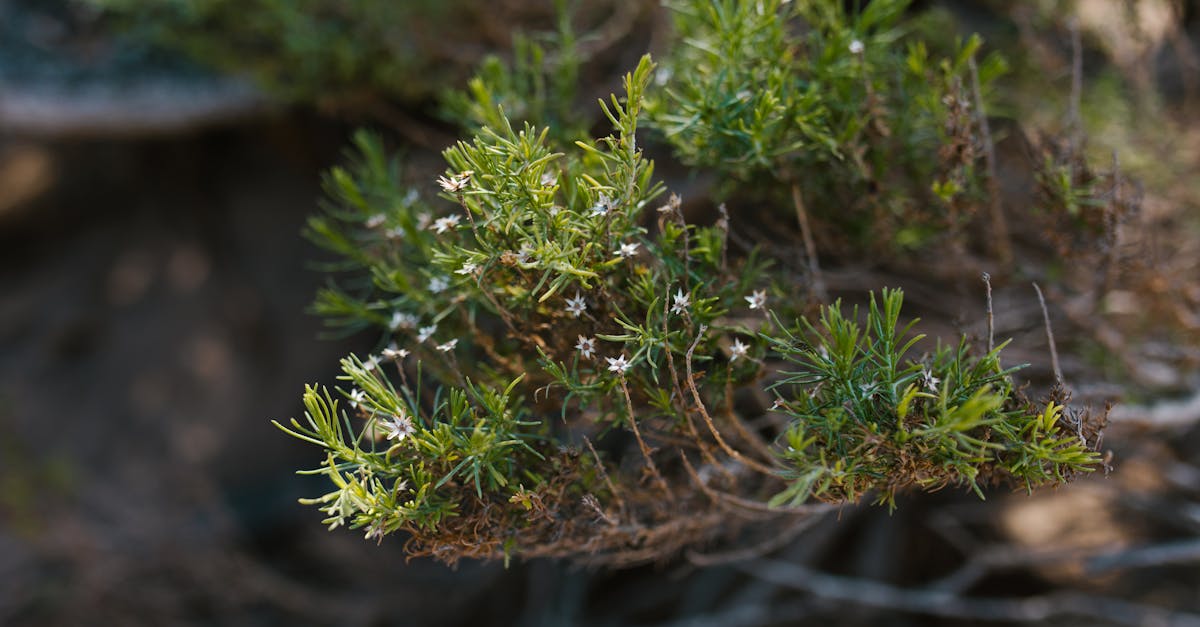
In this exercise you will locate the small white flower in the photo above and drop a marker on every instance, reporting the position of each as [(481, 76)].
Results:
[(410, 196), (576, 306), (424, 333), (441, 225), (398, 428), (438, 284), (681, 302), (424, 220), (856, 47), (757, 300), (626, 250), (586, 347), (617, 365), (603, 204), (737, 350), (371, 363), (448, 346), (402, 320), (357, 397), (394, 233), (375, 221), (467, 268), (393, 352), (555, 210), (455, 183), (549, 179), (523, 255), (931, 381), (375, 532), (778, 405)]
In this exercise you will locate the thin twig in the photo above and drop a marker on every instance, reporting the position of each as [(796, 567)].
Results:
[(770, 545), (810, 248), (1058, 375), (1000, 238), (691, 381), (604, 475), (703, 446), (991, 320), (1073, 121), (750, 505), (1114, 227), (646, 452)]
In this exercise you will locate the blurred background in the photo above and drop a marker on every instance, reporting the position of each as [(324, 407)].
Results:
[(158, 161)]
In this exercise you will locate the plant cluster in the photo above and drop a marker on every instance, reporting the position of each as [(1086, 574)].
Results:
[(879, 138), (572, 367)]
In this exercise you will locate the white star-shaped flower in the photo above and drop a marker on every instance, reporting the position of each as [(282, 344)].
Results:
[(424, 333), (394, 233), (618, 364), (402, 320), (375, 221), (371, 363), (467, 268), (455, 183), (856, 47), (398, 428), (576, 306), (626, 250), (586, 347), (549, 179), (357, 397), (441, 225), (393, 352), (603, 204), (757, 300), (424, 220), (931, 382), (448, 346), (438, 284), (680, 302), (737, 350)]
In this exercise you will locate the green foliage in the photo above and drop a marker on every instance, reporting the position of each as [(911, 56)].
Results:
[(571, 368), (876, 131), (867, 419)]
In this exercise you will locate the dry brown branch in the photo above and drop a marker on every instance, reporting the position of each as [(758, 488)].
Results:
[(691, 381), (928, 602), (1163, 415), (646, 452), (810, 247), (991, 318), (749, 505), (1074, 123), (1002, 246), (1179, 552), (1058, 375), (607, 480), (767, 546)]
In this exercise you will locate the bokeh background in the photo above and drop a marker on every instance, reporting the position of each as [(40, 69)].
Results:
[(154, 287)]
